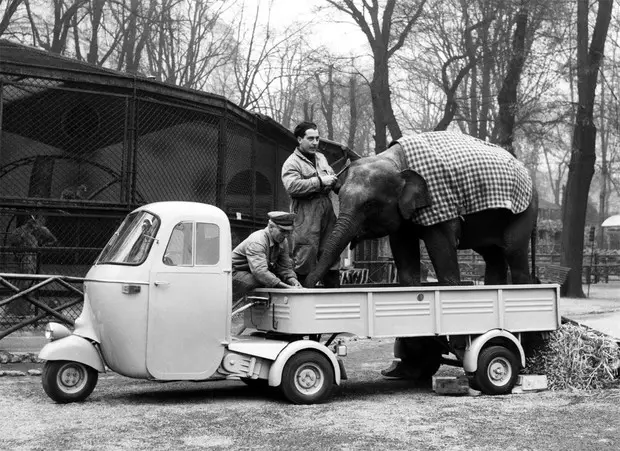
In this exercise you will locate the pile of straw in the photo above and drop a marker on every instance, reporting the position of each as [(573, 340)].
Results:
[(576, 357)]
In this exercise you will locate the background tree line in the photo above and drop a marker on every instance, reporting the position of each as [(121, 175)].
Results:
[(538, 77)]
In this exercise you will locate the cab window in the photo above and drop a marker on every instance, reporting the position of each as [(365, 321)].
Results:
[(207, 244), (180, 246), (132, 242)]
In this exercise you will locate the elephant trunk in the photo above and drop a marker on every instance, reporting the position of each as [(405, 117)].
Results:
[(346, 228)]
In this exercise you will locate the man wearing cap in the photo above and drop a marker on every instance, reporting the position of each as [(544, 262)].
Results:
[(263, 259), (308, 179)]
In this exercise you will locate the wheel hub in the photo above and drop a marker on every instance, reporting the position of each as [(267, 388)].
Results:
[(499, 371), (71, 377), (308, 378)]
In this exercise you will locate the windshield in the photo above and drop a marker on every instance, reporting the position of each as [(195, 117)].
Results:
[(131, 243)]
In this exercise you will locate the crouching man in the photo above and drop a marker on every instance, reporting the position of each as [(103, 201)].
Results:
[(263, 259)]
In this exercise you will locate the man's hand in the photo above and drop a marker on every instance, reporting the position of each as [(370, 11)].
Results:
[(328, 180), (294, 283), (290, 283)]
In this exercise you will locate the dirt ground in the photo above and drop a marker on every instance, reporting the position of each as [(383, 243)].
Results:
[(367, 413)]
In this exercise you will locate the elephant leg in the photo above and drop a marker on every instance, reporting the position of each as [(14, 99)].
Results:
[(496, 266), (405, 246), (519, 266), (441, 242), (331, 279)]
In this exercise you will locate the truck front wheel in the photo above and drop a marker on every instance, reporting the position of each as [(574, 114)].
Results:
[(498, 369), (307, 378), (65, 381)]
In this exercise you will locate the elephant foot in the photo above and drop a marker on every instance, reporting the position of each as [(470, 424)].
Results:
[(332, 279), (400, 370)]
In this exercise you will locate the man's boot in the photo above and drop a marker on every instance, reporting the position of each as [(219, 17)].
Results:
[(332, 279), (400, 370)]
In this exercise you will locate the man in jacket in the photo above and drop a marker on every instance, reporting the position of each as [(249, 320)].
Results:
[(263, 259), (308, 179)]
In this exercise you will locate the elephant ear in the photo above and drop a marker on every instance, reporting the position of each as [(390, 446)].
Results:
[(414, 194)]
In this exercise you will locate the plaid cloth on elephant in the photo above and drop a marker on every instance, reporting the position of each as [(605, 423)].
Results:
[(465, 175)]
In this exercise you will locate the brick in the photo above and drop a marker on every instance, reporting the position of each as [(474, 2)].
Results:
[(12, 373), (531, 382)]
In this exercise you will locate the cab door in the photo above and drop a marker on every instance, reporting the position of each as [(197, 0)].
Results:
[(188, 312)]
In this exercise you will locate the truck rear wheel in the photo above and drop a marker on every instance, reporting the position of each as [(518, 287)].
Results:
[(307, 378), (498, 369), (65, 381)]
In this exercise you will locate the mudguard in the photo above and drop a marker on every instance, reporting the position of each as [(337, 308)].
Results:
[(275, 371), (75, 349), (470, 359)]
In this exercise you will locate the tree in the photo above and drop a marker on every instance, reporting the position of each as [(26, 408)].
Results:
[(53, 36), (507, 97), (254, 66), (583, 147), (386, 34), (284, 94), (464, 58), (327, 93), (10, 8), (189, 43)]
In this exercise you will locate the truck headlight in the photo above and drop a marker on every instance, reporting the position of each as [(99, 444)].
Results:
[(56, 331), (341, 350)]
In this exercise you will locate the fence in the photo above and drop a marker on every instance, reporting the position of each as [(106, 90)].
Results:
[(29, 301), (81, 146), (74, 161), (374, 257)]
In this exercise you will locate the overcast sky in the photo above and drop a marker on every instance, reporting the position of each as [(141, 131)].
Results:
[(330, 27)]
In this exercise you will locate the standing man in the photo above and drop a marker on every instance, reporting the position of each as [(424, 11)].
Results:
[(263, 259), (308, 179)]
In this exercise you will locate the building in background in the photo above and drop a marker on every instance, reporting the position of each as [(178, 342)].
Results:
[(80, 146)]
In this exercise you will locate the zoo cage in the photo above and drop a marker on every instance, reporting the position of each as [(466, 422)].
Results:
[(81, 146)]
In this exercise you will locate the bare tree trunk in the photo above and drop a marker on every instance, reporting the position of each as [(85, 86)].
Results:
[(63, 22), (378, 86), (352, 112), (9, 11), (507, 97), (308, 111), (602, 207), (384, 39), (584, 143), (130, 38), (95, 22), (485, 92), (327, 99)]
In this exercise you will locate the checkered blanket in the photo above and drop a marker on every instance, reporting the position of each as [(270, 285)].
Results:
[(465, 175)]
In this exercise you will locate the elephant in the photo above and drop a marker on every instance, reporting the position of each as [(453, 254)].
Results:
[(451, 191), (448, 189)]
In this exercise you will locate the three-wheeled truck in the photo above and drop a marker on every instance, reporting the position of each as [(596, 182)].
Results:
[(157, 305)]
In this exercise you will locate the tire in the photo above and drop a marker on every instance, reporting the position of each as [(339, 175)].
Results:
[(307, 378), (498, 369), (65, 381), (471, 377)]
